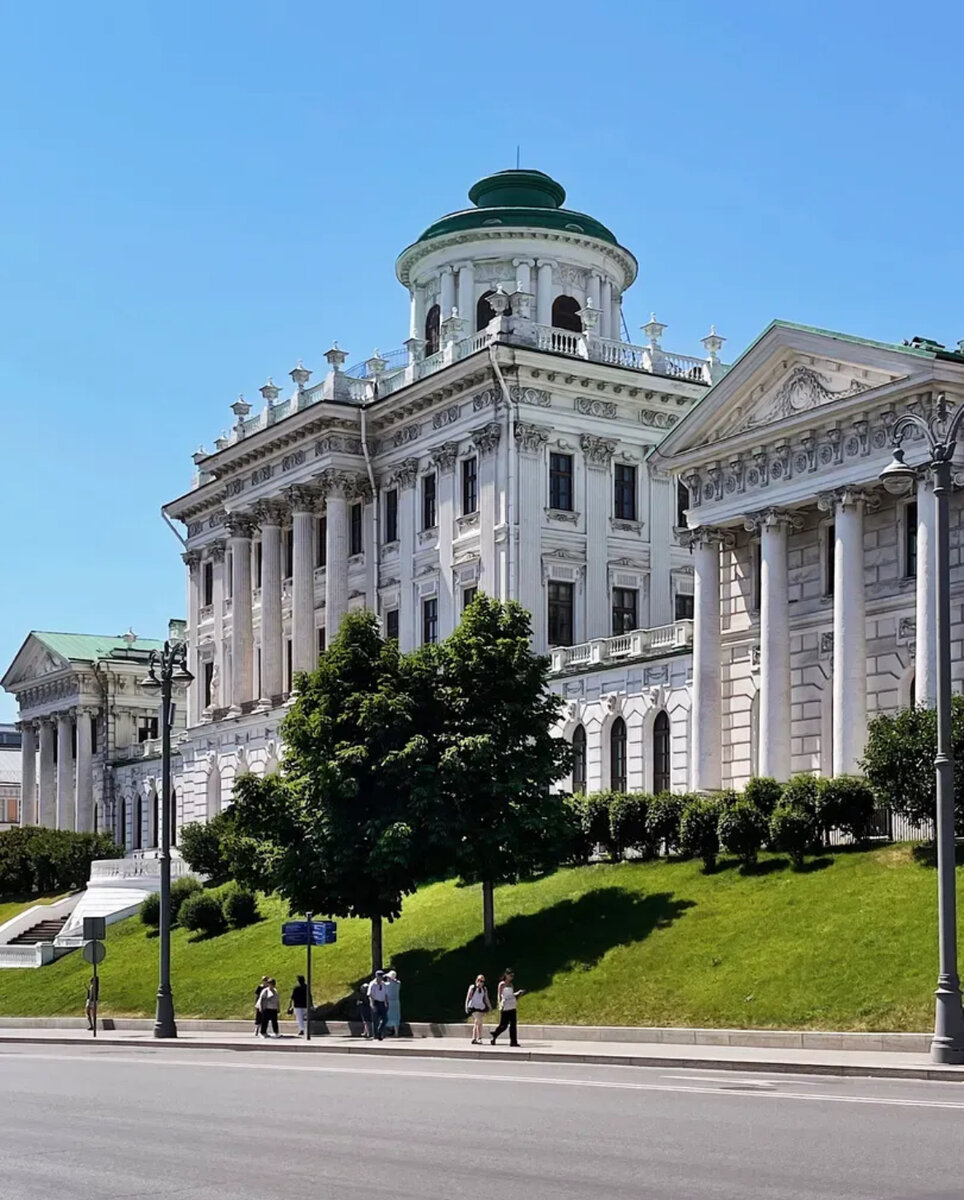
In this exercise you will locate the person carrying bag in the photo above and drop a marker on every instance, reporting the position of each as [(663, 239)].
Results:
[(476, 1006)]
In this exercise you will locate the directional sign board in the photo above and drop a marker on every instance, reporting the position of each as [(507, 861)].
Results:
[(304, 933), (95, 929), (94, 952)]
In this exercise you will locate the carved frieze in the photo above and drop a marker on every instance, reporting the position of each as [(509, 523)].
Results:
[(530, 395), (405, 435), (447, 416), (658, 420), (590, 407)]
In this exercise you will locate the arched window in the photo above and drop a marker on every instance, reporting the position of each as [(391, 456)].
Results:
[(565, 314), (137, 831), (213, 793), (617, 755), (579, 760), (433, 323), (484, 312), (661, 780)]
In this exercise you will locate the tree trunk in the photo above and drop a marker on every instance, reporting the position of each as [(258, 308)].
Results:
[(488, 912), (376, 944)]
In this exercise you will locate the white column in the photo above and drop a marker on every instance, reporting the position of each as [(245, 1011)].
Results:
[(531, 441), (523, 272), (270, 515), (598, 453), (66, 802), (447, 302), (706, 768), (218, 682), (606, 311), (28, 773), (486, 443), (405, 479), (774, 760), (595, 287), (466, 300), (925, 664), (85, 771), (662, 517), (849, 633), (240, 529), (616, 320), (444, 459), (47, 797), (304, 648), (544, 292), (336, 569), (192, 560)]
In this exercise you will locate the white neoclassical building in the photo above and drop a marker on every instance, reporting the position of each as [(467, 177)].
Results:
[(508, 447)]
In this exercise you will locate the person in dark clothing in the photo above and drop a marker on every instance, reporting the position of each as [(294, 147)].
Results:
[(269, 1005), (299, 1004), (257, 1011), (365, 1011), (508, 1016)]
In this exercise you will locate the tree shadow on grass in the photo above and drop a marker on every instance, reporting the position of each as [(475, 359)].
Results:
[(769, 866), (810, 865), (925, 854), (572, 935)]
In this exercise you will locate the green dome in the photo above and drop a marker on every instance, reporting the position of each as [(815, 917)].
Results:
[(519, 199)]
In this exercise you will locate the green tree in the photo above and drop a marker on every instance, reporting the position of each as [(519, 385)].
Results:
[(203, 846), (499, 757), (334, 833)]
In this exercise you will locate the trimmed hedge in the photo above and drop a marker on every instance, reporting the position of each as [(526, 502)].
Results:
[(846, 803), (202, 913), (698, 829), (742, 830), (793, 830), (627, 823), (663, 822), (764, 794), (240, 907)]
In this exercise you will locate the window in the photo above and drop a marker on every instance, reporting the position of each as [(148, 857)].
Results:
[(146, 728), (123, 822), (617, 755), (756, 550), (624, 497), (484, 312), (287, 553), (207, 679), (560, 482), (468, 595), (355, 544), (430, 621), (624, 610), (93, 735), (829, 558), (560, 613), (433, 321), (289, 672), (565, 314), (321, 641), (136, 832), (321, 550), (229, 573), (73, 739), (910, 540), (391, 624), (682, 503), (429, 518), (470, 485), (683, 606), (579, 760), (391, 515), (257, 562), (661, 753), (207, 583)]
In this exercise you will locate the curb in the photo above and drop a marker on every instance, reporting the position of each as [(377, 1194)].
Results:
[(758, 1066)]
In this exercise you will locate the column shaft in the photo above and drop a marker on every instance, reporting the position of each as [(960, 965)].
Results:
[(774, 651), (444, 459), (336, 570), (467, 296), (192, 560), (531, 441), (706, 770), (303, 646), (849, 636), (662, 517), (242, 636), (616, 320), (925, 665), (66, 797), (85, 773), (595, 288), (447, 302), (28, 774), (405, 479), (272, 663), (606, 310), (598, 619), (47, 799), (544, 293), (219, 693)]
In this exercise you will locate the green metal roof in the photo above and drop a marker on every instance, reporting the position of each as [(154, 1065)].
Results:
[(926, 350), (87, 647)]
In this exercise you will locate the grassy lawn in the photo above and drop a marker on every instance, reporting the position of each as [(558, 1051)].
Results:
[(10, 906), (849, 943)]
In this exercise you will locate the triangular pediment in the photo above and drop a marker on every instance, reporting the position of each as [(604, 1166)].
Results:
[(33, 661)]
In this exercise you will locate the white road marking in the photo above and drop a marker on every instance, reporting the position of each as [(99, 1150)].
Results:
[(460, 1076)]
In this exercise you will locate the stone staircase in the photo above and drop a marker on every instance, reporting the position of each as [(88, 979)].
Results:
[(43, 931)]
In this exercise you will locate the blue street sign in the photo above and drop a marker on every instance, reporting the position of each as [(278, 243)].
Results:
[(303, 933)]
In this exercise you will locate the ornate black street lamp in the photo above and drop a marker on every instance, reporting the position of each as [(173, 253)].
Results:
[(167, 673), (940, 431)]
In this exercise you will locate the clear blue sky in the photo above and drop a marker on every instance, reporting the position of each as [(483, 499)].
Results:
[(196, 195)]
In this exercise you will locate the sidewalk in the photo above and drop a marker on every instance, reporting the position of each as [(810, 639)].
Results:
[(888, 1064)]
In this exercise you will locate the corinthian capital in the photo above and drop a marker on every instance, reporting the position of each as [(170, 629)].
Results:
[(191, 558), (772, 518), (301, 498), (444, 456), (487, 438), (239, 524), (530, 438), (598, 450), (405, 473), (706, 535), (848, 497), (270, 512)]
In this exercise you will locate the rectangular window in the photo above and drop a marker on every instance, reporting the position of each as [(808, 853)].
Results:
[(430, 621), (560, 482), (391, 624), (910, 540), (830, 559), (146, 728), (429, 517), (625, 605), (560, 613), (682, 503), (288, 553), (321, 641), (207, 583), (624, 496), (391, 515), (468, 595), (683, 606), (207, 679), (321, 552), (355, 544), (470, 485)]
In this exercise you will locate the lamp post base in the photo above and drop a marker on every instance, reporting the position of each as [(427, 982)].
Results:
[(947, 1045), (164, 1024)]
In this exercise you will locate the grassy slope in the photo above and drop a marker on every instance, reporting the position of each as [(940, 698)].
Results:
[(11, 907), (851, 946)]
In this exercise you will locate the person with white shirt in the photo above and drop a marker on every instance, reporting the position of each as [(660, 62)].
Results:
[(508, 995), (476, 1006), (378, 998)]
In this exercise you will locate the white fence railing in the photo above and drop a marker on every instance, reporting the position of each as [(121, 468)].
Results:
[(640, 643)]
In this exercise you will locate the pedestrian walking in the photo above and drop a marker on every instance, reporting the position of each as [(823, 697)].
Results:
[(508, 996), (90, 1004), (393, 987), (378, 996), (365, 1010), (477, 1004), (257, 1011), (299, 1004), (269, 1005)]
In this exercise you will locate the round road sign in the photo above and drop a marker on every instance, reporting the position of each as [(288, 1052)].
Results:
[(94, 952)]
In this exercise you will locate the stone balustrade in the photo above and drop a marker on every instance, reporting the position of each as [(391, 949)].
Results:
[(639, 644)]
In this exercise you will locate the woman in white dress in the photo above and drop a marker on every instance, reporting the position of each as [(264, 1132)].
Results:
[(476, 1006)]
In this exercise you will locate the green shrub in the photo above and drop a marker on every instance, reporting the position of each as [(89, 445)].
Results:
[(201, 913), (595, 819), (698, 829), (802, 791), (742, 830), (203, 846), (181, 889), (793, 830), (627, 822), (662, 822), (36, 859), (577, 849), (240, 907), (846, 803), (151, 910), (764, 794)]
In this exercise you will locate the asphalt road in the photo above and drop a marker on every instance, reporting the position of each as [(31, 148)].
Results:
[(127, 1124)]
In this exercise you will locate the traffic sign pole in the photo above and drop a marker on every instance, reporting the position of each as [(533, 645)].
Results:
[(308, 997), (96, 996)]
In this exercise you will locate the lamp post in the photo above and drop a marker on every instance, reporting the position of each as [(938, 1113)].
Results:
[(940, 432), (166, 671)]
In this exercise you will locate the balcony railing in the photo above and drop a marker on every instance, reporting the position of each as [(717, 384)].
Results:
[(640, 643)]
